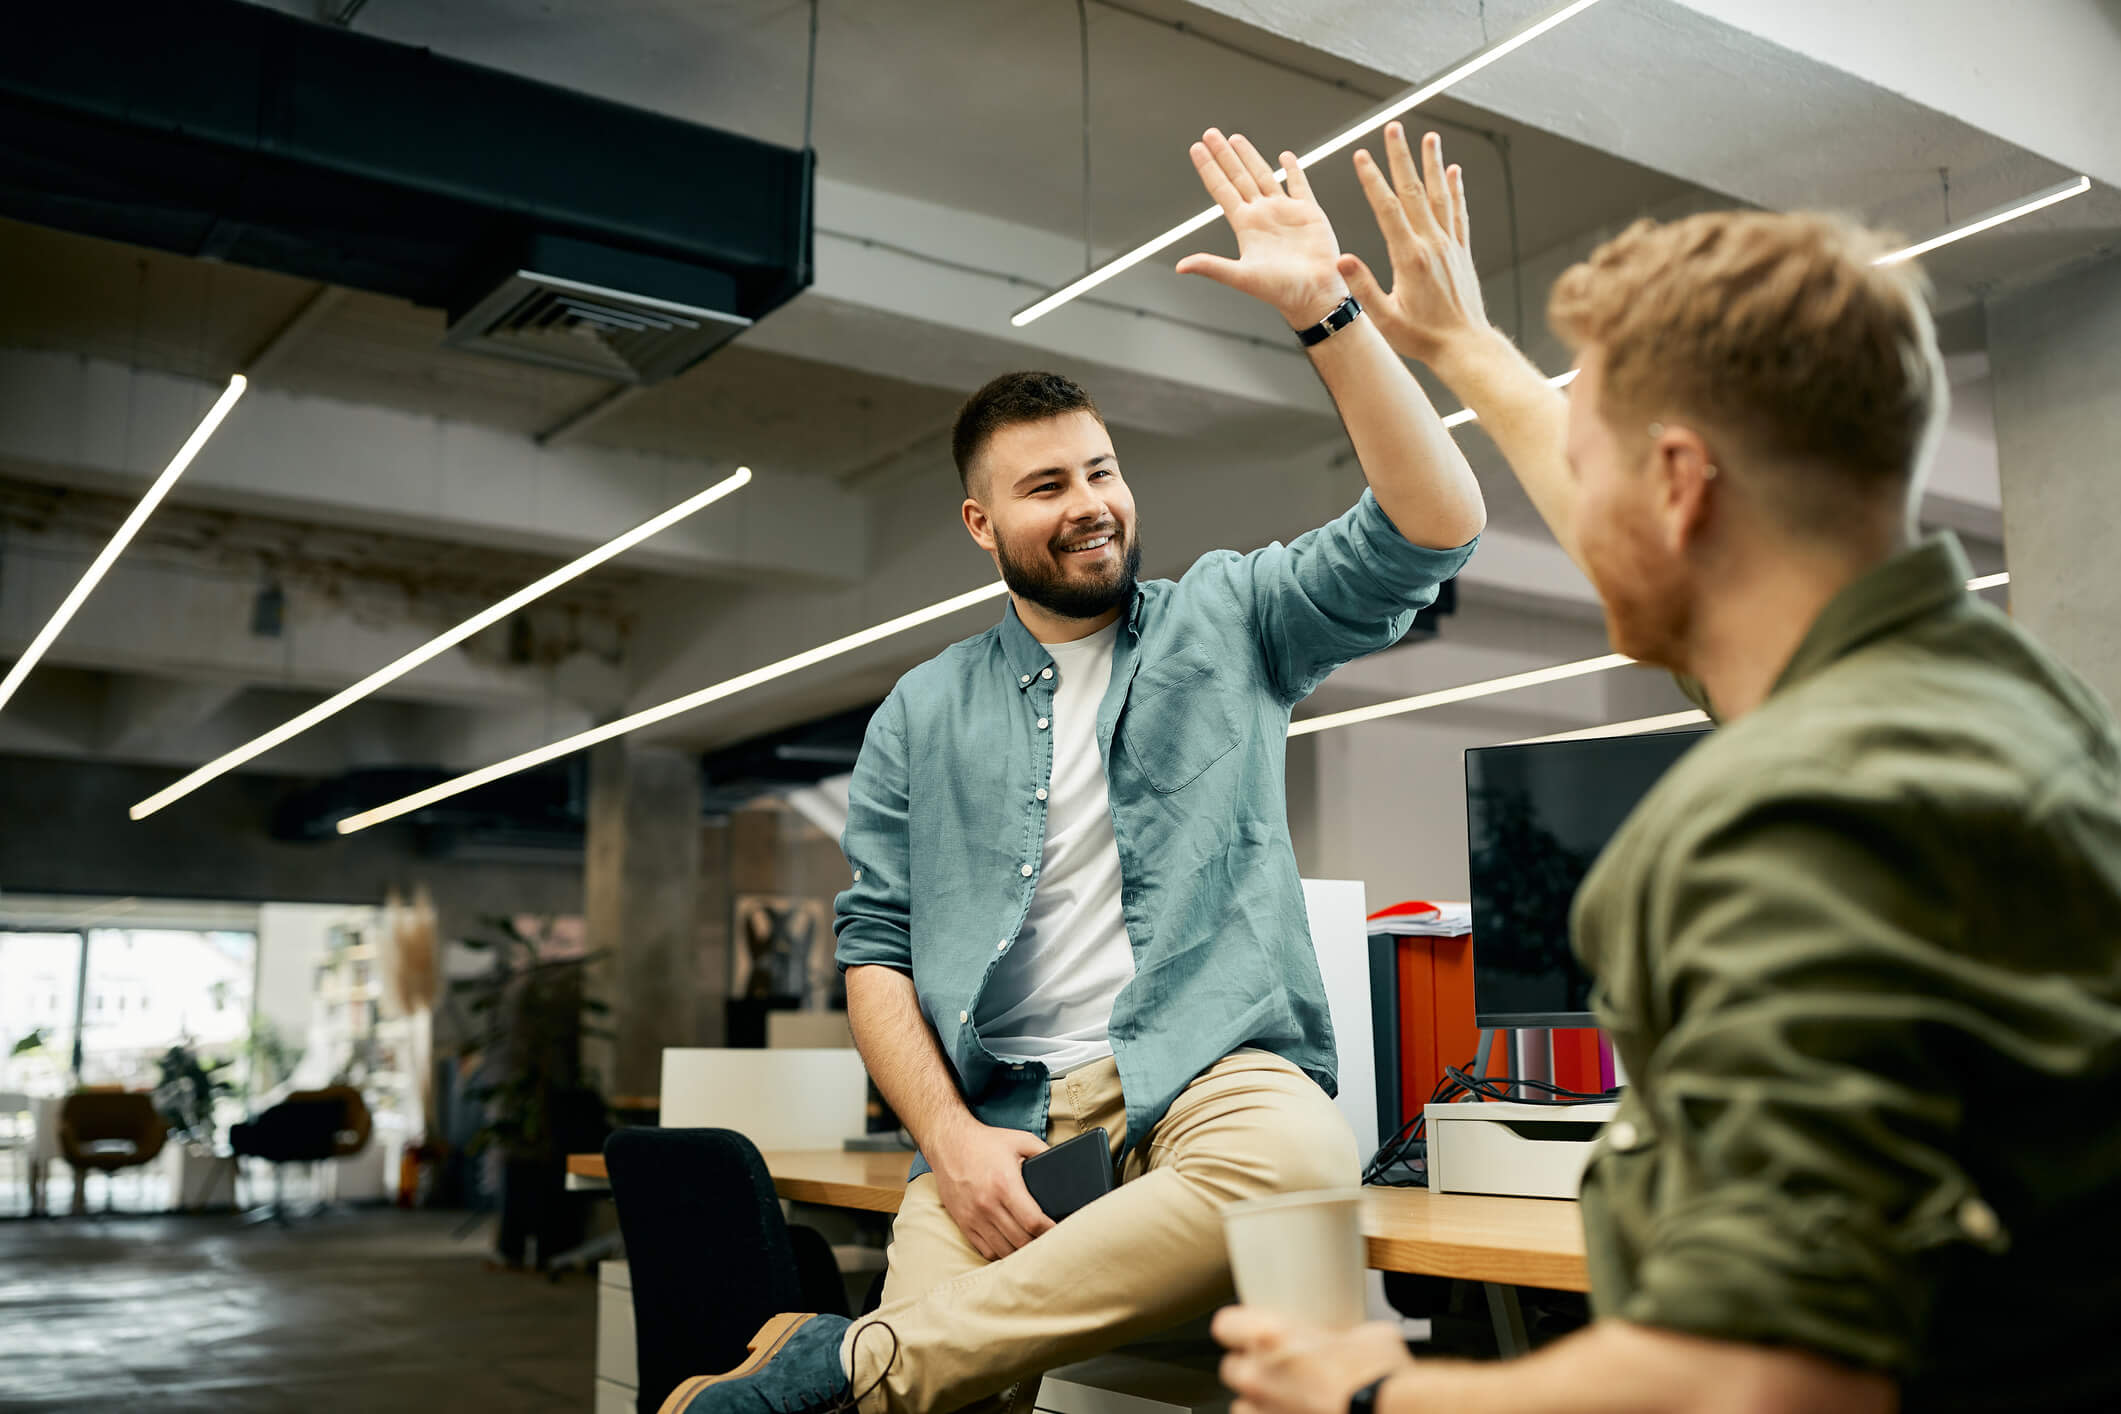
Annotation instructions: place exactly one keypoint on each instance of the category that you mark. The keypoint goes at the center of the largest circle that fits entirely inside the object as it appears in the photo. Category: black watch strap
(1364, 1400)
(1339, 318)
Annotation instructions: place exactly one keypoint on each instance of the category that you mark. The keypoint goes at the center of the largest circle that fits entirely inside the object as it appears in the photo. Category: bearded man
(1075, 902)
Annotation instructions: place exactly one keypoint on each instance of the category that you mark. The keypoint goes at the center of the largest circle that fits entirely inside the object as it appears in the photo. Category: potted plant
(190, 1084)
(526, 1017)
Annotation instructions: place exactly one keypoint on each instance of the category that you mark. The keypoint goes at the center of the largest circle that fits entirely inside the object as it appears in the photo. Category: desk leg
(1508, 1316)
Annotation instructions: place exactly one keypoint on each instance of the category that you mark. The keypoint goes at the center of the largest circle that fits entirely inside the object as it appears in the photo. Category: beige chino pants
(1143, 1258)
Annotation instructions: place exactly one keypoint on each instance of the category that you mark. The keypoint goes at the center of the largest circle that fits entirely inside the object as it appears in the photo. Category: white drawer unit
(1514, 1149)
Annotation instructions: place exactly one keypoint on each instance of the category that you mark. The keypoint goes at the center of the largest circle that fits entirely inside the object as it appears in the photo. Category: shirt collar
(1027, 657)
(1908, 586)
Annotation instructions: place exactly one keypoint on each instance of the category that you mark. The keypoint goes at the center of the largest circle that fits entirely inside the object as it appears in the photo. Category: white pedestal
(1340, 934)
(200, 1179)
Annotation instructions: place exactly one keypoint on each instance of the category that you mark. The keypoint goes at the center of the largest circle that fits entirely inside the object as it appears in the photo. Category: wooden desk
(1506, 1241)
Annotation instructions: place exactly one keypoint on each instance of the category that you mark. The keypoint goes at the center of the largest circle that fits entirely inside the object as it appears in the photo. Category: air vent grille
(589, 329)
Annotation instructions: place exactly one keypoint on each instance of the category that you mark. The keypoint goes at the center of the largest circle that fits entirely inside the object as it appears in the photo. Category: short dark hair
(1006, 401)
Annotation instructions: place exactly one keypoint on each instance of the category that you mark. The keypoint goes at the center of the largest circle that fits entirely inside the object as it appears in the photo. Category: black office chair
(304, 1128)
(710, 1256)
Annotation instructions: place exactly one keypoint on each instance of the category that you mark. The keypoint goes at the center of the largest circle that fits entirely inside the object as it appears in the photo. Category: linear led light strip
(1444, 697)
(1560, 672)
(676, 706)
(2062, 191)
(1665, 722)
(1391, 109)
(435, 647)
(817, 655)
(100, 566)
(2037, 202)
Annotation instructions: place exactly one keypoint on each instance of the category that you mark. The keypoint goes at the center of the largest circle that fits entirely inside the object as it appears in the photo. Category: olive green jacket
(1860, 953)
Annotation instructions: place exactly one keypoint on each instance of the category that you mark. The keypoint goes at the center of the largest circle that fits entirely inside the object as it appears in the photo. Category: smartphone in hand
(1071, 1175)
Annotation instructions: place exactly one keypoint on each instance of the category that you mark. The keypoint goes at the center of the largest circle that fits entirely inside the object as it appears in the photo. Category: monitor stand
(1532, 1058)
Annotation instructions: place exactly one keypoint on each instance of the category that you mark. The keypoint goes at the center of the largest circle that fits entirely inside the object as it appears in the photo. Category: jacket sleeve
(1806, 1099)
(1350, 587)
(873, 919)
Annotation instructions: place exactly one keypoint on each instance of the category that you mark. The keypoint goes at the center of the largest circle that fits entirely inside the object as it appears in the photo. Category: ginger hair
(1775, 330)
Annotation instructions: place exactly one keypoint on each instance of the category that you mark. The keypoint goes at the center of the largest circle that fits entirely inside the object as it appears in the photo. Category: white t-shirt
(1050, 997)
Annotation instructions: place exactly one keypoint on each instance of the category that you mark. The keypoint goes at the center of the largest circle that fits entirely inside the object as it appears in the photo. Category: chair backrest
(110, 1118)
(358, 1124)
(306, 1127)
(707, 1249)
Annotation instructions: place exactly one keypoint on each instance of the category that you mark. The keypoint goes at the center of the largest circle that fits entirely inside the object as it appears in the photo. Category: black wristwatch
(1337, 319)
(1364, 1400)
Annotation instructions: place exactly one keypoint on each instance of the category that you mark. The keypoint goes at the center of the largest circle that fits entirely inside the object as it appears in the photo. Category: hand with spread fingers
(1280, 1366)
(1286, 251)
(1435, 295)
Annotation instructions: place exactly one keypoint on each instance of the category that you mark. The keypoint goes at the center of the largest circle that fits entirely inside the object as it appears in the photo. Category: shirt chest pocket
(1178, 726)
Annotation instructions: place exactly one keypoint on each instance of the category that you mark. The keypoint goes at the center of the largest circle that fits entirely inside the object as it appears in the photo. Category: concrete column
(642, 894)
(2054, 349)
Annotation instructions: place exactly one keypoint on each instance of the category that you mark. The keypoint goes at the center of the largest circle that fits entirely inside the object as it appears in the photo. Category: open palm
(1286, 251)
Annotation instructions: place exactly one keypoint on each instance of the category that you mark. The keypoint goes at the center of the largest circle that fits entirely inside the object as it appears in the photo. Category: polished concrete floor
(376, 1310)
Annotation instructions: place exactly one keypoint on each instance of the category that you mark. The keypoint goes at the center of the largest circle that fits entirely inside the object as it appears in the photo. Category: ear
(1685, 470)
(977, 525)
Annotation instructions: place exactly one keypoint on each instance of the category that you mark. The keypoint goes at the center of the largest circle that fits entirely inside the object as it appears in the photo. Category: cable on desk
(1409, 1144)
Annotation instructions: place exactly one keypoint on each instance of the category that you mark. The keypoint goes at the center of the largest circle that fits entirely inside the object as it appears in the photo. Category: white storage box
(1511, 1148)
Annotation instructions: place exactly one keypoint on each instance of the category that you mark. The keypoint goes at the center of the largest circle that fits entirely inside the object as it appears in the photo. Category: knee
(1313, 1148)
(1299, 1143)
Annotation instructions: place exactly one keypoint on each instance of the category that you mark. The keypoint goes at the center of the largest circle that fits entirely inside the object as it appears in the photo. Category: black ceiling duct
(553, 226)
(541, 810)
(792, 756)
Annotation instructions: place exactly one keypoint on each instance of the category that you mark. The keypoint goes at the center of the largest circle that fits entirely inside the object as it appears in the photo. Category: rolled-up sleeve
(1807, 1100)
(1348, 588)
(873, 918)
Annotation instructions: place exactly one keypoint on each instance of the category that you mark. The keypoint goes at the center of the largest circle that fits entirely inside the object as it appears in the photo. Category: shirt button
(857, 876)
(1623, 1135)
(1043, 724)
(1979, 1221)
(1046, 673)
(1002, 946)
(963, 1017)
(1041, 792)
(1025, 871)
(1025, 678)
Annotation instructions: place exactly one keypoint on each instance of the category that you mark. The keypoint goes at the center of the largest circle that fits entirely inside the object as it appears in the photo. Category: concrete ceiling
(977, 104)
(951, 191)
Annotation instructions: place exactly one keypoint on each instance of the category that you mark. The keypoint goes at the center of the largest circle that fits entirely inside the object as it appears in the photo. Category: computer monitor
(1537, 816)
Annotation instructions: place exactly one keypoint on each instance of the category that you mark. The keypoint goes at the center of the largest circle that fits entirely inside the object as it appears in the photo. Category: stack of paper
(1418, 919)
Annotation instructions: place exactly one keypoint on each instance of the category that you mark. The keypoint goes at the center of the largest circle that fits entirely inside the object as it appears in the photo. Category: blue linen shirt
(946, 812)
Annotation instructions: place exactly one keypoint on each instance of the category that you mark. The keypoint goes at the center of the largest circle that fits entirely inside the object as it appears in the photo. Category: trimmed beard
(1647, 598)
(1049, 587)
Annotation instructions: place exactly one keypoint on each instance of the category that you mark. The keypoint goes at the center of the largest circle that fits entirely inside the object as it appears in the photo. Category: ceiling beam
(91, 423)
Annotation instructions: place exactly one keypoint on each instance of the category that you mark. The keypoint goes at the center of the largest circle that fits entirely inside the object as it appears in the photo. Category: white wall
(1392, 807)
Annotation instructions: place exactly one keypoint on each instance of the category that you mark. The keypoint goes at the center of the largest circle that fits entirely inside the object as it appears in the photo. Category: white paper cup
(1300, 1255)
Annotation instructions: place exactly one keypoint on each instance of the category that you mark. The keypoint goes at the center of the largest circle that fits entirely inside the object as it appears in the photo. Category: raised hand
(1286, 252)
(1435, 295)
